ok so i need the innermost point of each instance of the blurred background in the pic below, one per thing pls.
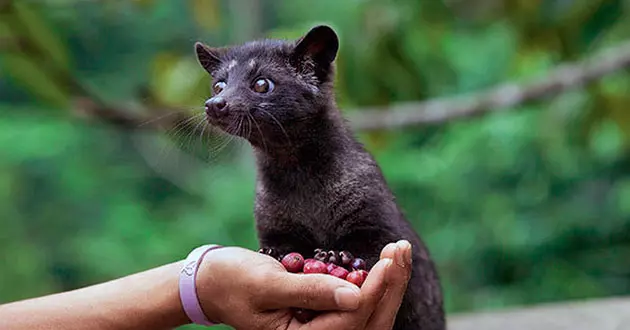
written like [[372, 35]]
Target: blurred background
[[105, 170]]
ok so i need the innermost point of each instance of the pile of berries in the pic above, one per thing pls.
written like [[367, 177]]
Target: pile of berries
[[339, 264]]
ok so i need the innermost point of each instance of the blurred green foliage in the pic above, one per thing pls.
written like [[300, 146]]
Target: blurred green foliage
[[519, 207]]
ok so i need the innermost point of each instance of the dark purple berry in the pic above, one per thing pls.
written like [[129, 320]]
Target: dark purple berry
[[346, 258], [304, 315], [358, 263]]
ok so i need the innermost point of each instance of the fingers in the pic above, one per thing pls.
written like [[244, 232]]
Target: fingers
[[374, 286], [310, 291], [402, 273], [372, 292], [389, 251], [397, 277]]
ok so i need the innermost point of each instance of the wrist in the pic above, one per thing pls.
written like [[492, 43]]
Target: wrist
[[207, 288], [191, 287], [173, 307]]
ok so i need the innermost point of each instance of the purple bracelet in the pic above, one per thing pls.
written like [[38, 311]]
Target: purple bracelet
[[187, 288]]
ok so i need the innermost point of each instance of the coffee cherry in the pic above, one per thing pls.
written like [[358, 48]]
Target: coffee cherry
[[346, 258], [315, 267], [358, 263], [339, 264], [293, 262], [357, 277], [339, 272], [304, 315]]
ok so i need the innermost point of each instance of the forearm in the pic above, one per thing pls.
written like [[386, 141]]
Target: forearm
[[146, 300]]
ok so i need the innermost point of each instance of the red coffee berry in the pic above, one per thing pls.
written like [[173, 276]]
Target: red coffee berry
[[293, 262], [339, 272], [357, 277], [315, 267], [358, 263], [308, 260], [330, 267]]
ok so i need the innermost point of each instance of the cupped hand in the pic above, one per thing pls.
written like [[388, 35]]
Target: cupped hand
[[249, 290], [381, 295]]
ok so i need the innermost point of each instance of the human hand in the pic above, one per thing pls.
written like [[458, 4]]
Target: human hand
[[381, 295], [248, 290]]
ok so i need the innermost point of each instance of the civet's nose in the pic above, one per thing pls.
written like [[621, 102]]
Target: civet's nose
[[216, 106]]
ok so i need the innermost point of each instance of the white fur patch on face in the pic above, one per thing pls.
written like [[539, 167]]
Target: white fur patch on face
[[252, 63], [232, 64]]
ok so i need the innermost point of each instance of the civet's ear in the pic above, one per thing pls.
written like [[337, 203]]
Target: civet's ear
[[208, 57], [318, 46]]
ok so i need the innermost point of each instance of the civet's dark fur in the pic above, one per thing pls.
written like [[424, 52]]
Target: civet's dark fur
[[317, 187]]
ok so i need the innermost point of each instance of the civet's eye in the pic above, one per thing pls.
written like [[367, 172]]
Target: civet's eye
[[218, 87], [263, 85]]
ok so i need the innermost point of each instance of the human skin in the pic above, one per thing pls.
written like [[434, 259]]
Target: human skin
[[238, 287]]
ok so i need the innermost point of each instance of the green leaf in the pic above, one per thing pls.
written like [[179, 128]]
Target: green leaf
[[29, 75], [42, 35], [206, 13], [5, 33], [607, 141], [144, 3], [602, 19], [175, 80]]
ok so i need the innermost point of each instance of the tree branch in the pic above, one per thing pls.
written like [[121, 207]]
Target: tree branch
[[502, 97], [499, 98]]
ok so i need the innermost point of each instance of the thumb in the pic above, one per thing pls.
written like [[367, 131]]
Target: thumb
[[398, 277], [309, 291]]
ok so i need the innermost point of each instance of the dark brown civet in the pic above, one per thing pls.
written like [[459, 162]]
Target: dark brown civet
[[316, 186]]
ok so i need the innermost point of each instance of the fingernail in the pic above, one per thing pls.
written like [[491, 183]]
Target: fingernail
[[388, 262], [403, 255], [390, 246], [347, 298]]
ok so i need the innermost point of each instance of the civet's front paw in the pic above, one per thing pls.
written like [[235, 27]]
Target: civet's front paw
[[274, 253]]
